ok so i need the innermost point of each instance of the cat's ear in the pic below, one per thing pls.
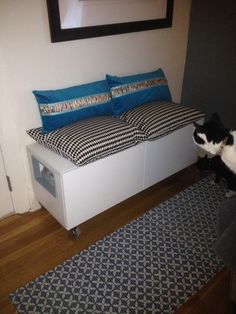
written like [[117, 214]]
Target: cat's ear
[[197, 126], [215, 117]]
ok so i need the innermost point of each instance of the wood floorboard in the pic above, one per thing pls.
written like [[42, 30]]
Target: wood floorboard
[[33, 243]]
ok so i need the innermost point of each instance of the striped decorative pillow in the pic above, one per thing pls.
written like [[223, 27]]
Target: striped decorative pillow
[[160, 118], [90, 139]]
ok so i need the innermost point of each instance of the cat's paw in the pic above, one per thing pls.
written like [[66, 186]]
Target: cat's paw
[[230, 193]]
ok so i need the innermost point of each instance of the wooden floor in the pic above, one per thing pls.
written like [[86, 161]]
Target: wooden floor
[[34, 243]]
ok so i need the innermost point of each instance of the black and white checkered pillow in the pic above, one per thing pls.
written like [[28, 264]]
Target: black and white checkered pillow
[[160, 118], [90, 139]]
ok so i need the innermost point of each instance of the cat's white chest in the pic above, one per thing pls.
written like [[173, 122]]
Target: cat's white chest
[[229, 155]]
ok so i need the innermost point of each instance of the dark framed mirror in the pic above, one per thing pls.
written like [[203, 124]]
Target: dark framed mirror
[[88, 11]]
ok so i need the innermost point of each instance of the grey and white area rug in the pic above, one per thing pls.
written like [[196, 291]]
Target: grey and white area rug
[[152, 265]]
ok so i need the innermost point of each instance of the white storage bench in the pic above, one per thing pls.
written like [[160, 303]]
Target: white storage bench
[[74, 193], [83, 192]]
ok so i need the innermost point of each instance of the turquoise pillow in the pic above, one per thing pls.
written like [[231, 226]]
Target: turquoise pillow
[[61, 107], [131, 91]]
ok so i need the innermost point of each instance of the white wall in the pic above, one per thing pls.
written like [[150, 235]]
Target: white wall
[[28, 60]]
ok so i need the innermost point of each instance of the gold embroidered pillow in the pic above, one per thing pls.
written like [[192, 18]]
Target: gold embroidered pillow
[[131, 91], [61, 107]]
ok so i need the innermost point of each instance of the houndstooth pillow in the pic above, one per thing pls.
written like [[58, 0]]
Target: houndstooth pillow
[[90, 139], [160, 118]]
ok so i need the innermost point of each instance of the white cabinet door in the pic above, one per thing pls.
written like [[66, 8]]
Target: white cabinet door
[[6, 205]]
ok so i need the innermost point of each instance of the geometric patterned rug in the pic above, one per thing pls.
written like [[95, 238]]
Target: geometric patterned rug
[[152, 265]]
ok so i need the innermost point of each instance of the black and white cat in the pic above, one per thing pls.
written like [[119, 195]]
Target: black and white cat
[[220, 142]]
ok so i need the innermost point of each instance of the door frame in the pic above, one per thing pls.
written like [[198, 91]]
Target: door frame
[[12, 143], [6, 189]]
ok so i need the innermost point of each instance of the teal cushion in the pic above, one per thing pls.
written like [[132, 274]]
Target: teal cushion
[[131, 91], [61, 107]]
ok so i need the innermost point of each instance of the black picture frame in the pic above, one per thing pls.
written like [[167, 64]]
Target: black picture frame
[[58, 34]]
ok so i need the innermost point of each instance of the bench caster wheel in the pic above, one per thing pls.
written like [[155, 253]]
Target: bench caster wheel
[[76, 232]]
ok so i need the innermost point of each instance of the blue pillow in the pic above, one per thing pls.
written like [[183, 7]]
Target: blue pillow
[[61, 107], [131, 91]]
